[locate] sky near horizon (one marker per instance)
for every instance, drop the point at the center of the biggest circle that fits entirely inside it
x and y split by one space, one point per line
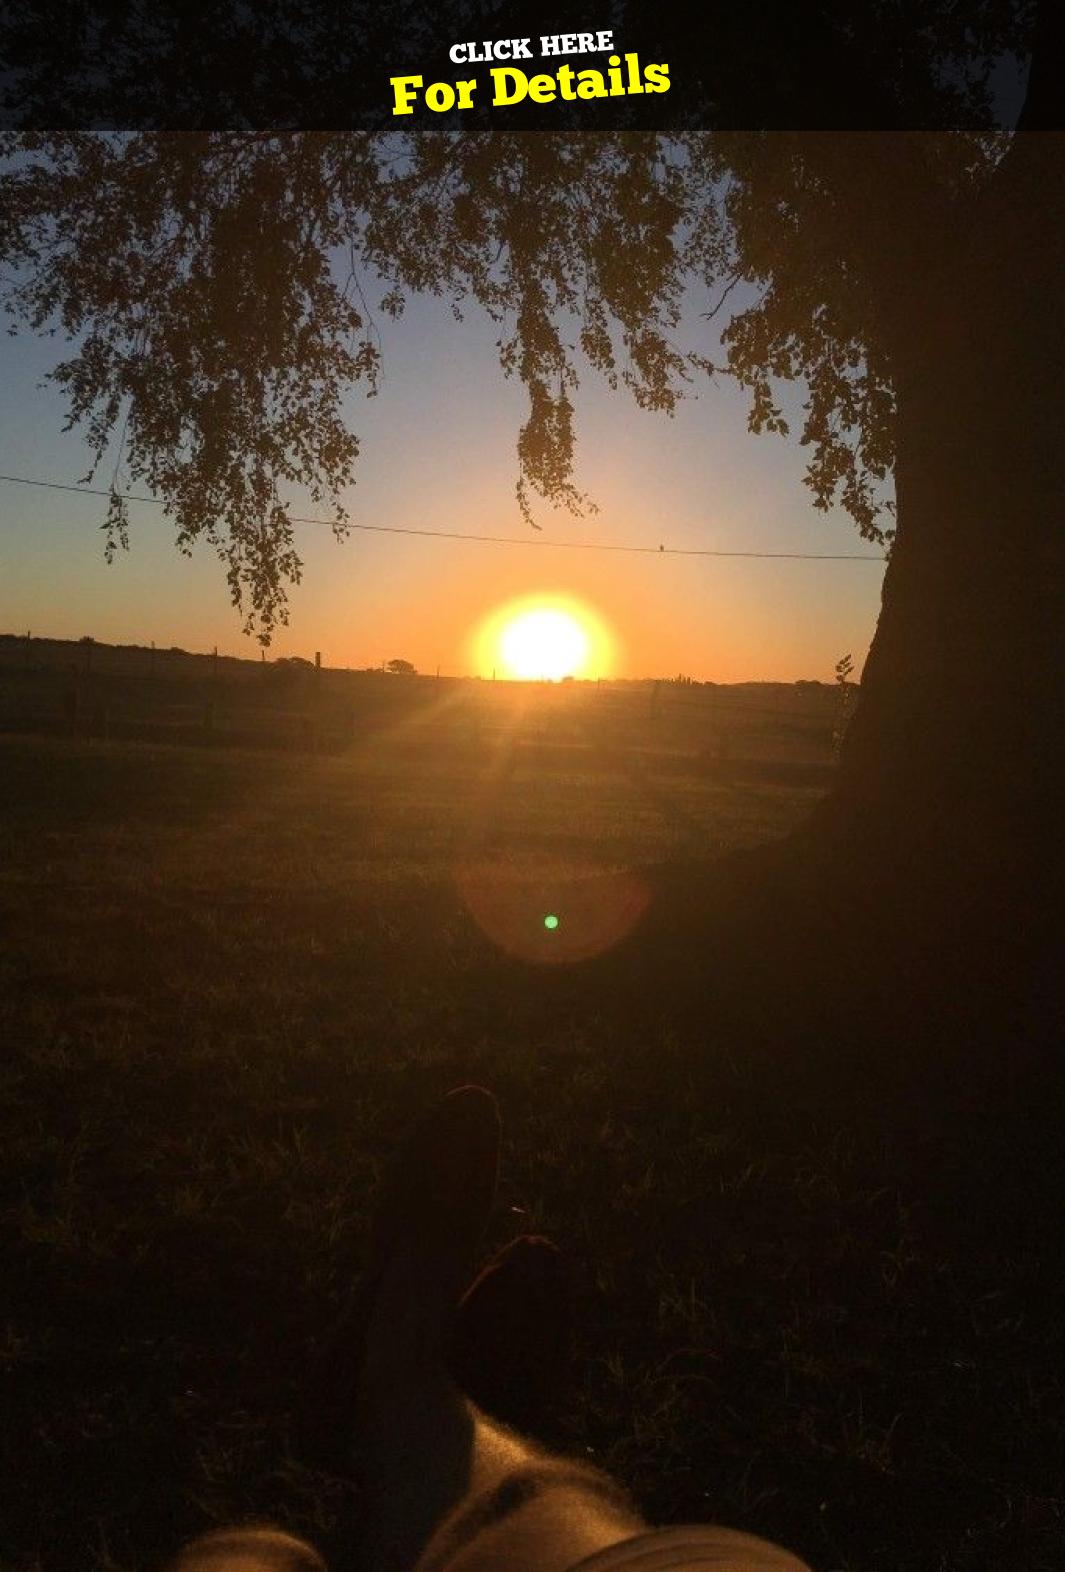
438 453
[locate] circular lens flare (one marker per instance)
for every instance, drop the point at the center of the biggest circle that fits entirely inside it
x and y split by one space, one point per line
518 907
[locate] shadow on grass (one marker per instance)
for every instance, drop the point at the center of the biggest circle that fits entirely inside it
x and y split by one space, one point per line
799 1133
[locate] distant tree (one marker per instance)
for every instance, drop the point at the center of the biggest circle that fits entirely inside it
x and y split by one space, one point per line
401 667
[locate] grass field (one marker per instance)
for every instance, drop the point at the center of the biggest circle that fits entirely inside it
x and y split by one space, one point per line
232 976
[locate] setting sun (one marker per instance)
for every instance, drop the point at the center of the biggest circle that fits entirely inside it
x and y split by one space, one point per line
543 638
543 643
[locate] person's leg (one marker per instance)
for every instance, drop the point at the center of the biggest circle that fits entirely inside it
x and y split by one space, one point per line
445 1485
248 1550
447 1488
512 1348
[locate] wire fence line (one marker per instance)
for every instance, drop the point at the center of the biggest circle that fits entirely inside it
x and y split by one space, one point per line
660 550
138 694
143 673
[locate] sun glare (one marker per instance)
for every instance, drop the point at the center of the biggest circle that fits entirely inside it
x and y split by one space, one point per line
543 644
543 639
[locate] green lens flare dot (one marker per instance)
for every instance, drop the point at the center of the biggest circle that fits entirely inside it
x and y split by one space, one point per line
551 921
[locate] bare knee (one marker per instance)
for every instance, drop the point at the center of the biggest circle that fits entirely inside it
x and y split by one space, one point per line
542 1515
248 1550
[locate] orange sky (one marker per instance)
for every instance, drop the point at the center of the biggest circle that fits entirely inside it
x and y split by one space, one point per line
438 454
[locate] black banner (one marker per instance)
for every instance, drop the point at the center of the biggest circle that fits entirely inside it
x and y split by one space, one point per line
367 65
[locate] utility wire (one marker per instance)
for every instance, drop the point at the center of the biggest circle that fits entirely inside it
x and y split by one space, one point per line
494 540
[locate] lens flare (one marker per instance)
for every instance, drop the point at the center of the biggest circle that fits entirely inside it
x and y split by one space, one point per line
601 906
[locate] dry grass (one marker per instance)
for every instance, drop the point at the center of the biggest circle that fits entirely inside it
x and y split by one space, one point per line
230 980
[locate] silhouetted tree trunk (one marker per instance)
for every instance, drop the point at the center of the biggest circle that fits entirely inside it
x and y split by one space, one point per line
959 719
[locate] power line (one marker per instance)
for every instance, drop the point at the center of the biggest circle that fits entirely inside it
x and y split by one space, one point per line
494 540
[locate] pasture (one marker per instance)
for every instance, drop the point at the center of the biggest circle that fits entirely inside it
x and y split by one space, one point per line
240 957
